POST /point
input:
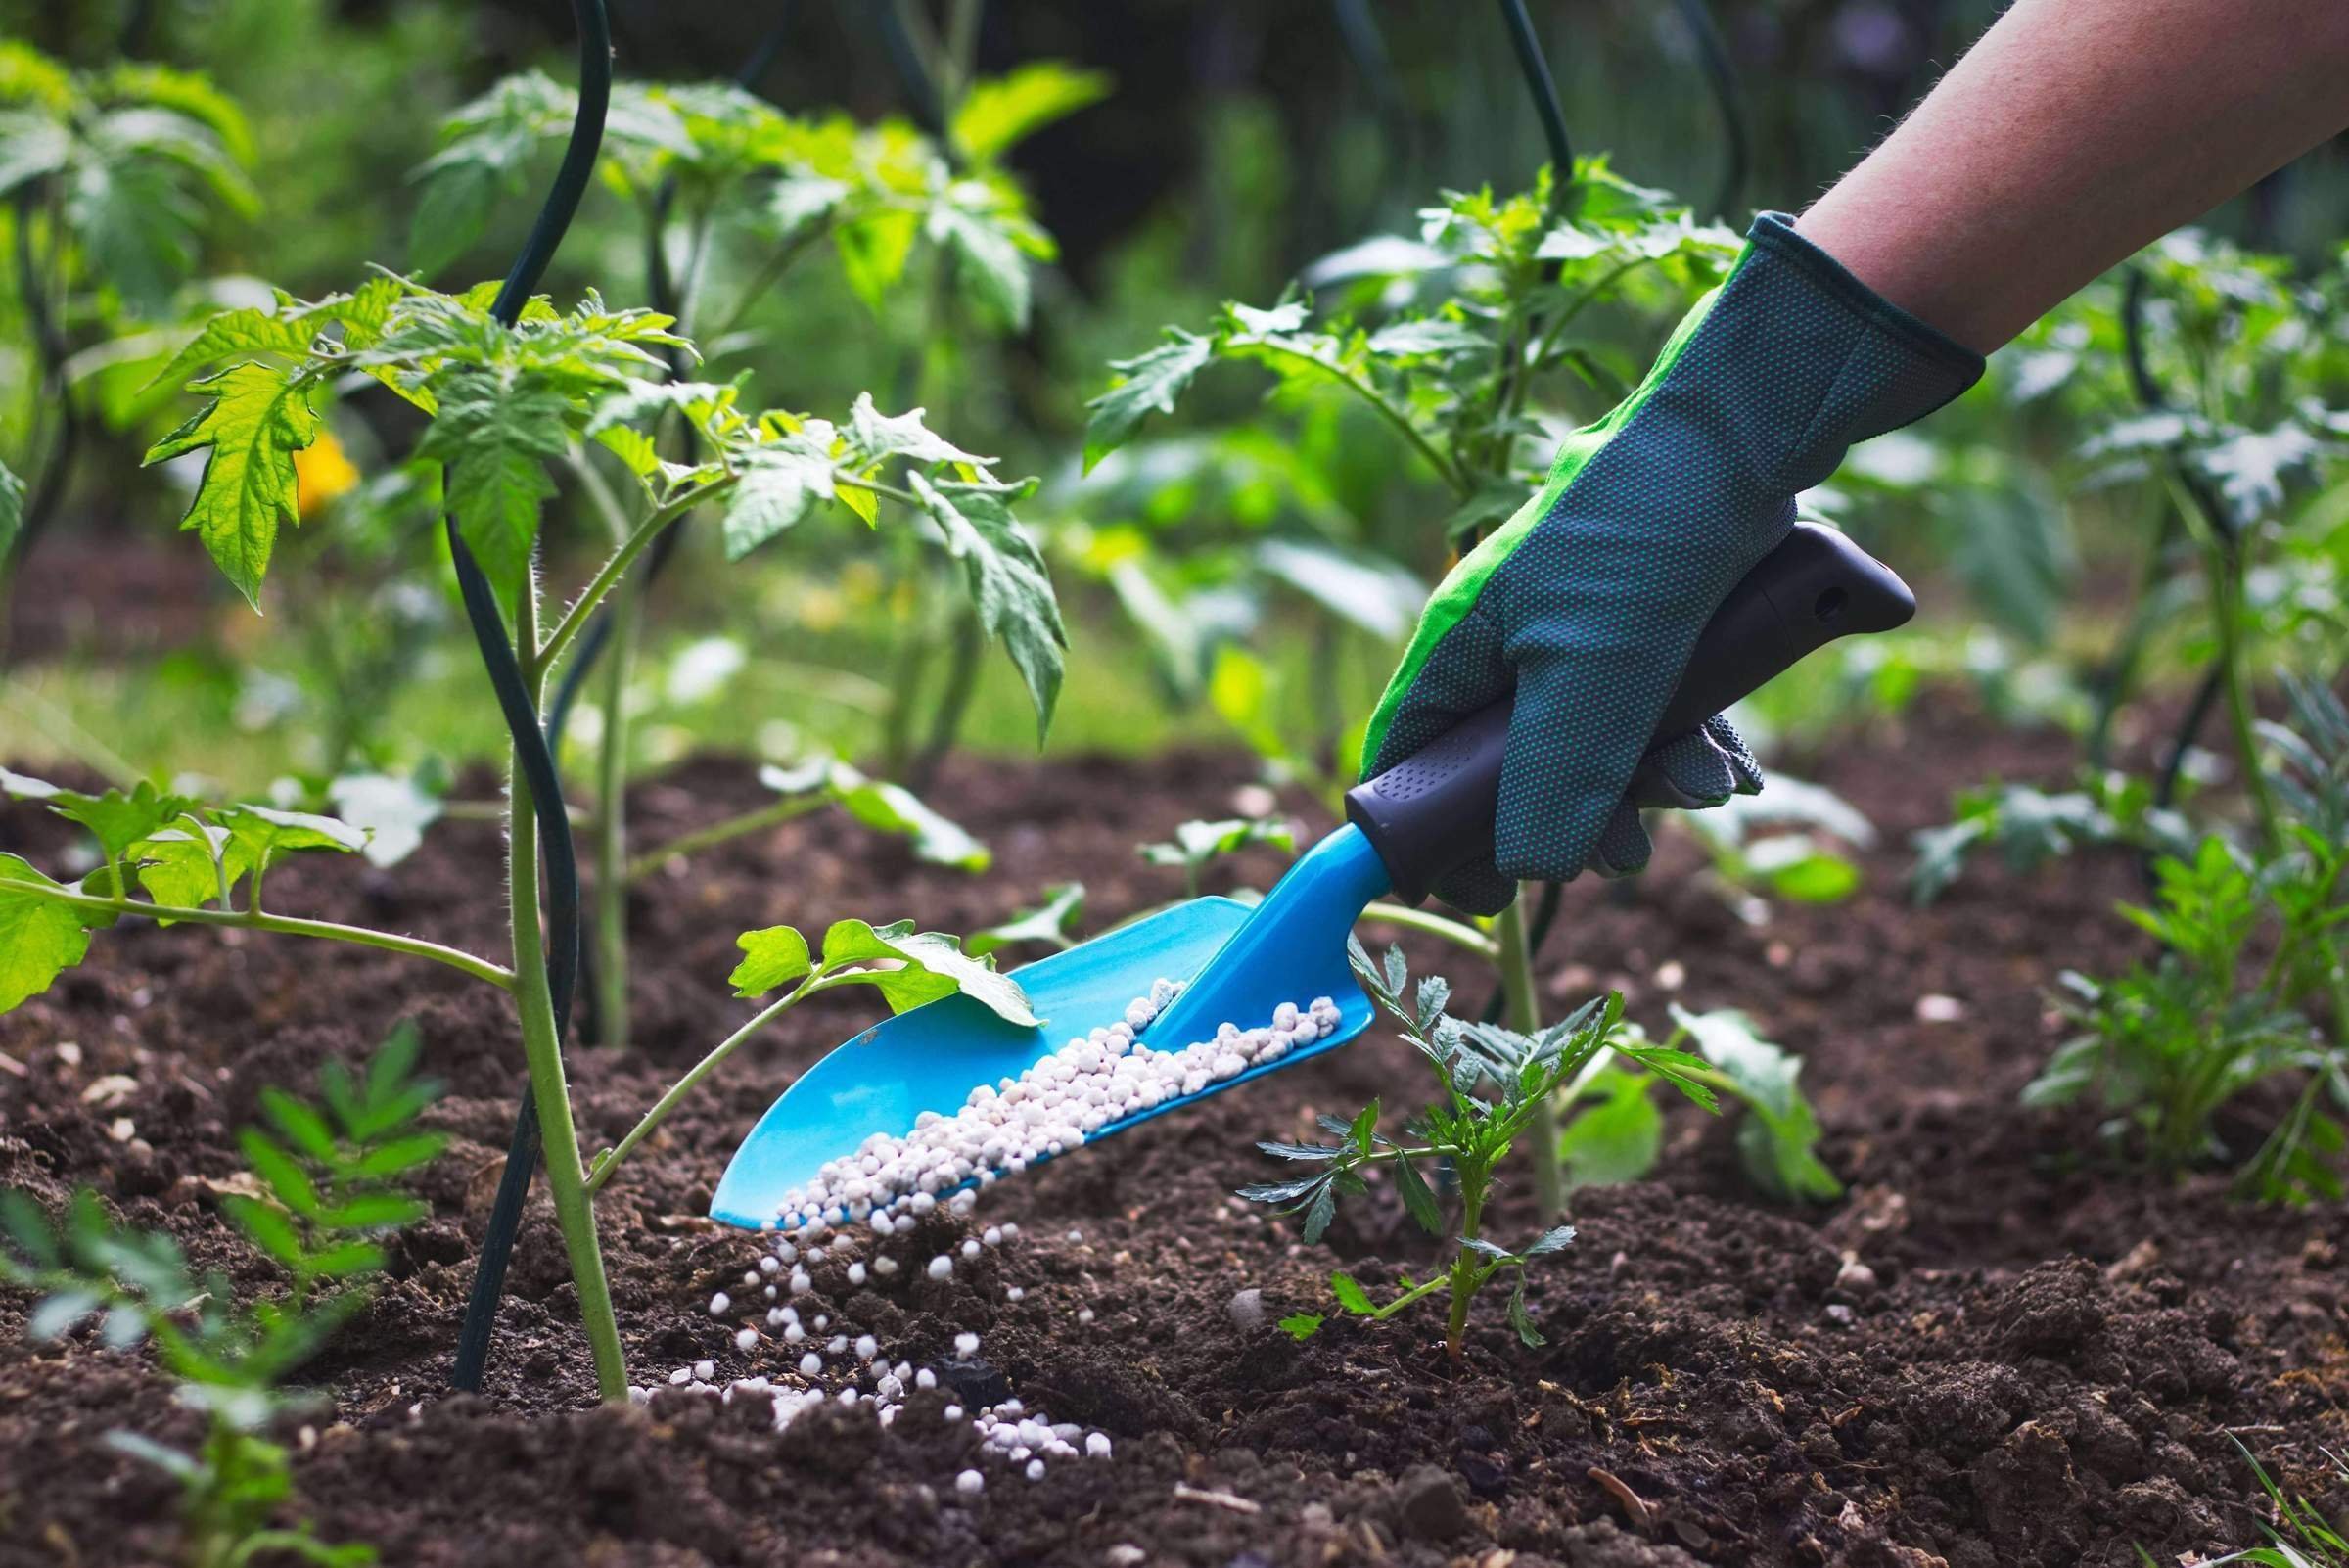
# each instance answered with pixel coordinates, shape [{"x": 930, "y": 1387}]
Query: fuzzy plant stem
[
  {"x": 542, "y": 1046},
  {"x": 2224, "y": 570},
  {"x": 612, "y": 822},
  {"x": 1524, "y": 1016},
  {"x": 717, "y": 833}
]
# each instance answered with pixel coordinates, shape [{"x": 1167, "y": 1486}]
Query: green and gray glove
[{"x": 1588, "y": 602}]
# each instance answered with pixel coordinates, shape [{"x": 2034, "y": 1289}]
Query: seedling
[
  {"x": 1493, "y": 1082},
  {"x": 2031, "y": 827},
  {"x": 714, "y": 169},
  {"x": 2166, "y": 1046},
  {"x": 1198, "y": 845},
  {"x": 328, "y": 1180}
]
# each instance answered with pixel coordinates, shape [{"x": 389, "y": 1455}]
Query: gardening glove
[{"x": 1588, "y": 602}]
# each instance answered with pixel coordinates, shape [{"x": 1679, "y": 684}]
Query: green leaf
[
  {"x": 772, "y": 957},
  {"x": 999, "y": 112},
  {"x": 1779, "y": 1141},
  {"x": 933, "y": 966},
  {"x": 284, "y": 1176},
  {"x": 1300, "y": 1325},
  {"x": 874, "y": 252},
  {"x": 118, "y": 820},
  {"x": 1558, "y": 1238},
  {"x": 780, "y": 483},
  {"x": 988, "y": 260},
  {"x": 264, "y": 833},
  {"x": 301, "y": 1124},
  {"x": 39, "y": 937},
  {"x": 373, "y": 1211},
  {"x": 399, "y": 1155},
  {"x": 1522, "y": 1320},
  {"x": 258, "y": 418},
  {"x": 266, "y": 1227},
  {"x": 1006, "y": 579},
  {"x": 1350, "y": 1293},
  {"x": 1417, "y": 1200},
  {"x": 1051, "y": 923},
  {"x": 1616, "y": 1139},
  {"x": 876, "y": 436},
  {"x": 176, "y": 868},
  {"x": 884, "y": 807},
  {"x": 1146, "y": 383},
  {"x": 179, "y": 1466},
  {"x": 496, "y": 433}
]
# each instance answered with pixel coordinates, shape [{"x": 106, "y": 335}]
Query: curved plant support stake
[
  {"x": 1544, "y": 91},
  {"x": 1367, "y": 46},
  {"x": 544, "y": 987},
  {"x": 1721, "y": 74}
]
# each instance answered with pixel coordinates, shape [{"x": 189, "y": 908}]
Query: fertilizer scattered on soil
[{"x": 1089, "y": 1083}]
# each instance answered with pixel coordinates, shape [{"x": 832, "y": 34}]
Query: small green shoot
[
  {"x": 1493, "y": 1082},
  {"x": 327, "y": 1192}
]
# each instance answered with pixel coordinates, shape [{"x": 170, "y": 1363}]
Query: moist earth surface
[{"x": 1997, "y": 1348}]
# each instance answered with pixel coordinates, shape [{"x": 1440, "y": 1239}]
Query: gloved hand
[{"x": 1589, "y": 601}]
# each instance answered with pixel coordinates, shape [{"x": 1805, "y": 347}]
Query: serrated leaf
[
  {"x": 780, "y": 485},
  {"x": 39, "y": 937},
  {"x": 496, "y": 435},
  {"x": 266, "y": 1227},
  {"x": 1147, "y": 384},
  {"x": 1317, "y": 1214},
  {"x": 118, "y": 819},
  {"x": 1555, "y": 1239},
  {"x": 258, "y": 418},
  {"x": 1417, "y": 1200},
  {"x": 1006, "y": 579},
  {"x": 373, "y": 1211},
  {"x": 264, "y": 833},
  {"x": 399, "y": 1155},
  {"x": 1350, "y": 1293},
  {"x": 772, "y": 957},
  {"x": 1300, "y": 1325},
  {"x": 876, "y": 436},
  {"x": 912, "y": 968}
]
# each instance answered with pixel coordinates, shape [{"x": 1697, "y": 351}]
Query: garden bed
[{"x": 1994, "y": 1350}]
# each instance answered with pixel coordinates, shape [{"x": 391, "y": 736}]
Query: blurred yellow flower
[{"x": 321, "y": 472}]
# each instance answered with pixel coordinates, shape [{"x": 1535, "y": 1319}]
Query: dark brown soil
[{"x": 1997, "y": 1350}]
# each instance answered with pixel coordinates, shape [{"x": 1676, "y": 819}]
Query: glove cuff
[
  {"x": 1822, "y": 359},
  {"x": 1775, "y": 233}
]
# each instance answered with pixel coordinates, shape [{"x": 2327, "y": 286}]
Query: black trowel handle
[{"x": 1433, "y": 811}]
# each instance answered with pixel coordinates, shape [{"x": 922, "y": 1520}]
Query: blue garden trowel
[{"x": 1407, "y": 828}]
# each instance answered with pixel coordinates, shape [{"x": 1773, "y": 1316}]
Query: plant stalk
[
  {"x": 612, "y": 822},
  {"x": 1524, "y": 1017},
  {"x": 1435, "y": 925},
  {"x": 542, "y": 1046}
]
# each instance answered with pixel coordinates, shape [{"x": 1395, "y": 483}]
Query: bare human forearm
[{"x": 2073, "y": 133}]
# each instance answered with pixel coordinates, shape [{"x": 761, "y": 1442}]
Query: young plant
[
  {"x": 731, "y": 195},
  {"x": 1787, "y": 842},
  {"x": 2301, "y": 1535},
  {"x": 1502, "y": 297},
  {"x": 1615, "y": 1130},
  {"x": 503, "y": 398},
  {"x": 2031, "y": 827},
  {"x": 1492, "y": 1081},
  {"x": 2167, "y": 1046},
  {"x": 327, "y": 1192}
]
